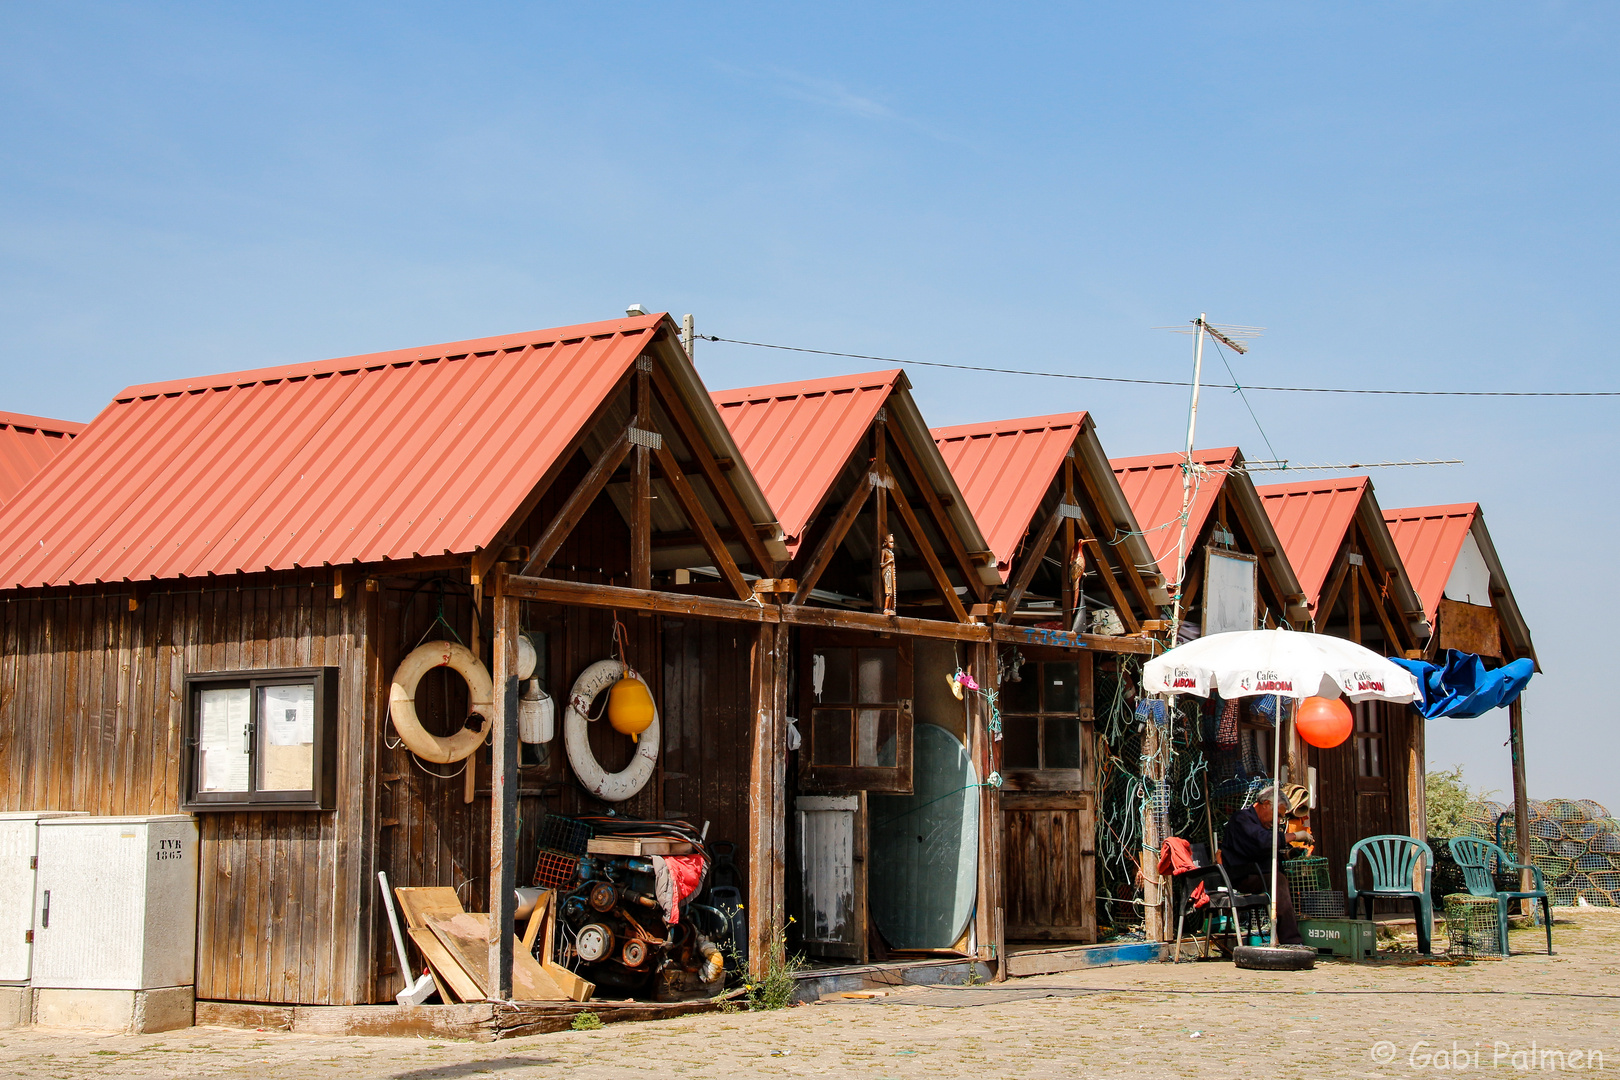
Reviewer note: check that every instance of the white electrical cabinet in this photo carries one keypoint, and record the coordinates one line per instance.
(115, 903)
(19, 846)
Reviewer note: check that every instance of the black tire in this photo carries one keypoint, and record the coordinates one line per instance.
(1274, 957)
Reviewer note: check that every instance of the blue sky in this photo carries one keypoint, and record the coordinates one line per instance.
(1413, 194)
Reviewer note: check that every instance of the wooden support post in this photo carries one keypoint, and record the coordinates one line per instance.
(880, 511)
(1355, 609)
(990, 926)
(767, 794)
(1071, 583)
(641, 482)
(1521, 797)
(1153, 925)
(503, 823)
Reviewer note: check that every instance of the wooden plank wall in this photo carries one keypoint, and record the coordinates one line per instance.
(91, 713)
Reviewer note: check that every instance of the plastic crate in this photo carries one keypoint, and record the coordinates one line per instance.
(555, 870)
(564, 834)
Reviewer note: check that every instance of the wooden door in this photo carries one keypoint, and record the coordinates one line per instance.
(832, 872)
(1048, 807)
(1049, 887)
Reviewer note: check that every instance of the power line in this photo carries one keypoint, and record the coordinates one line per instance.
(1176, 382)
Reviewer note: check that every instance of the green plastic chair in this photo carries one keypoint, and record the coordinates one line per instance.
(1393, 861)
(1473, 856)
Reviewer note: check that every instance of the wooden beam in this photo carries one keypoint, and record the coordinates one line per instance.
(1033, 554)
(767, 795)
(486, 558)
(503, 812)
(1329, 597)
(880, 512)
(942, 520)
(1355, 607)
(641, 481)
(1093, 503)
(1071, 584)
(699, 520)
(821, 558)
(579, 501)
(1398, 642)
(584, 594)
(1061, 639)
(1521, 795)
(747, 529)
(1121, 601)
(936, 570)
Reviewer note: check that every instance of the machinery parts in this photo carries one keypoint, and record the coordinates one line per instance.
(593, 942)
(610, 787)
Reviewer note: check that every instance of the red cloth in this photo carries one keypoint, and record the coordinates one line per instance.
(1176, 857)
(685, 878)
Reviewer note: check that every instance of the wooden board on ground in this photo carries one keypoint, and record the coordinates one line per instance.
(447, 970)
(466, 936)
(417, 904)
(635, 845)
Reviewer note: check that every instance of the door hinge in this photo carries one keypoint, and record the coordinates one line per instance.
(33, 862)
(28, 936)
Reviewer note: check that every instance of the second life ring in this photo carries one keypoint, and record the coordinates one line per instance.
(609, 787)
(442, 749)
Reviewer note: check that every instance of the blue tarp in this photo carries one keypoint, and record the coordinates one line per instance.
(1462, 688)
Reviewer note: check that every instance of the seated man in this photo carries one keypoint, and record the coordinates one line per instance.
(1246, 851)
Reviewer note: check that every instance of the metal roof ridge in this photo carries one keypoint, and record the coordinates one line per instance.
(804, 387)
(42, 423)
(1010, 425)
(304, 369)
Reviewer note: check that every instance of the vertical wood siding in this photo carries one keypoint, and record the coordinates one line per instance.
(91, 714)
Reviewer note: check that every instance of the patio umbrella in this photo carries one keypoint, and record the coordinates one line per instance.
(1287, 663)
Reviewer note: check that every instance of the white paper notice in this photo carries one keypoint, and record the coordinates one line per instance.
(288, 713)
(224, 738)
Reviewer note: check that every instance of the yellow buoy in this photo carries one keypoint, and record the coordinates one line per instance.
(630, 707)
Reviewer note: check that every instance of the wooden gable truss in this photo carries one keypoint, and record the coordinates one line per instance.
(876, 479)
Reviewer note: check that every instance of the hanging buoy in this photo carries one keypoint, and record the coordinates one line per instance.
(402, 701)
(528, 659)
(537, 715)
(630, 706)
(614, 787)
(1324, 722)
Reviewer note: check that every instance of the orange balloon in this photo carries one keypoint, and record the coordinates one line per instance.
(1324, 722)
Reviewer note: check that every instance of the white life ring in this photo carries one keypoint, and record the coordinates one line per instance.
(402, 701)
(618, 786)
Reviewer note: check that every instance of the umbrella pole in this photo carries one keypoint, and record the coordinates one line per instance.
(1276, 797)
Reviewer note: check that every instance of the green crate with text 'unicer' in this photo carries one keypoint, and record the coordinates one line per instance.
(1355, 938)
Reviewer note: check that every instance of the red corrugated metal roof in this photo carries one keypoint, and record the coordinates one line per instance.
(386, 456)
(26, 444)
(1429, 539)
(1311, 519)
(796, 436)
(1152, 484)
(1004, 469)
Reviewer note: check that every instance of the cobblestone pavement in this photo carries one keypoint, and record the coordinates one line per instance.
(1203, 1020)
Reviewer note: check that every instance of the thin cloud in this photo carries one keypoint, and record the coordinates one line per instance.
(835, 96)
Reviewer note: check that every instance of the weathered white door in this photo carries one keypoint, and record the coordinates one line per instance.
(832, 856)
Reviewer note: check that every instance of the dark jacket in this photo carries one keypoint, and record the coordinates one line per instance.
(1246, 840)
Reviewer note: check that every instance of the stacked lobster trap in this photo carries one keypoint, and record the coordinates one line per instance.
(1575, 843)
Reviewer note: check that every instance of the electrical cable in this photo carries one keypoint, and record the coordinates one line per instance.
(1176, 382)
(1264, 437)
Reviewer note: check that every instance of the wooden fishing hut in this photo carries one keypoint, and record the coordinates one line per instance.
(1454, 566)
(1069, 555)
(26, 444)
(1228, 537)
(846, 462)
(318, 521)
(1356, 587)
